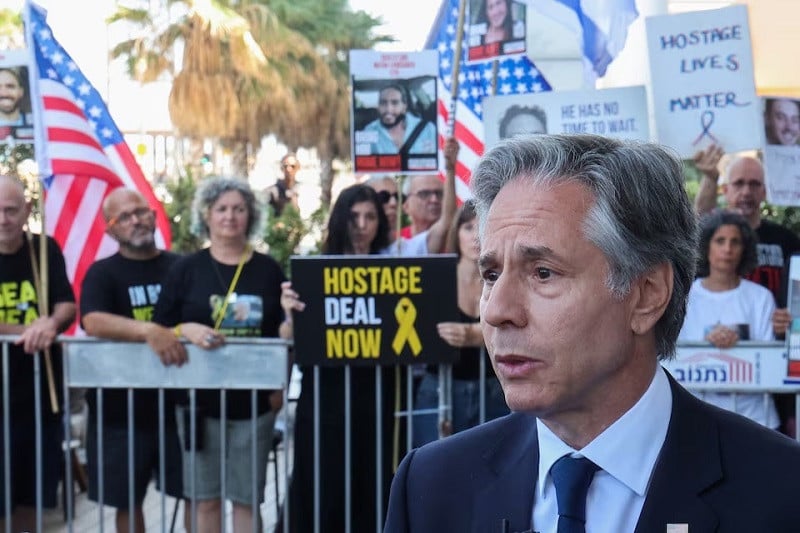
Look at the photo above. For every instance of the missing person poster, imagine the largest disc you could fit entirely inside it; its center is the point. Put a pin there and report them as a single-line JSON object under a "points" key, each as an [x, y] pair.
{"points": [[496, 29], [393, 114], [619, 113], [701, 67], [373, 310], [16, 116], [782, 149]]}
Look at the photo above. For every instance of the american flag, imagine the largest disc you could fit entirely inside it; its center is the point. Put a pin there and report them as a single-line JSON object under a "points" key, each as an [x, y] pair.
{"points": [[81, 153], [516, 75]]}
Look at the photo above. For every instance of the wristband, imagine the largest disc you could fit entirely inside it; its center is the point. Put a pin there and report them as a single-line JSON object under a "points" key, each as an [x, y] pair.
{"points": [[177, 330]]}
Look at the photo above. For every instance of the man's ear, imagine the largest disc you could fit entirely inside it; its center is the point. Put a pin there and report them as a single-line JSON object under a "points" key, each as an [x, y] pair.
{"points": [[650, 296]]}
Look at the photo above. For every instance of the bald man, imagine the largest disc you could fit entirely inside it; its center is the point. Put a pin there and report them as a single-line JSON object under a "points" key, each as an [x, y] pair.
{"points": [[117, 300], [20, 316]]}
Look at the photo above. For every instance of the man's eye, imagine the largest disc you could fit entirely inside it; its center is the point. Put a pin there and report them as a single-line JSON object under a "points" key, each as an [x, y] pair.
{"points": [[489, 276], [543, 273]]}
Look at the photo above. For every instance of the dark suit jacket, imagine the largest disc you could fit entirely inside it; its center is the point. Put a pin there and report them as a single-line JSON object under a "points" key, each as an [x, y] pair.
{"points": [[717, 472]]}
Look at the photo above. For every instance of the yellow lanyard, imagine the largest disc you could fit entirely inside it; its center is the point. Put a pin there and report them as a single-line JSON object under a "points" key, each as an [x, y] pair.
{"points": [[232, 287]]}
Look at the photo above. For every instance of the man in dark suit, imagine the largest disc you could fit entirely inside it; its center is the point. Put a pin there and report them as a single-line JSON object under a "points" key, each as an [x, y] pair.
{"points": [[588, 250]]}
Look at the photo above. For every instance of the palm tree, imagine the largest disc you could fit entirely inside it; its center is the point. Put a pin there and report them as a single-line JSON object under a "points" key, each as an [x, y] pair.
{"points": [[251, 68]]}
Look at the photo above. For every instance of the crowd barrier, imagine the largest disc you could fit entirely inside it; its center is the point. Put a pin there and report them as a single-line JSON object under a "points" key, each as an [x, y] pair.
{"points": [[255, 364]]}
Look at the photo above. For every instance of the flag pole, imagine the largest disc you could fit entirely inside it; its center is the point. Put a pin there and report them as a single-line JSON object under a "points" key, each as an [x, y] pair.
{"points": [[451, 117], [41, 283]]}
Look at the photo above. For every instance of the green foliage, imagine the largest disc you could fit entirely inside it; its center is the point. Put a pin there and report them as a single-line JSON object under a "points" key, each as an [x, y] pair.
{"points": [[283, 234], [179, 211], [12, 155]]}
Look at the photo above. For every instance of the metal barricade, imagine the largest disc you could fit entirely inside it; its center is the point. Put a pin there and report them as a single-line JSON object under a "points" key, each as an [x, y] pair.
{"points": [[241, 364]]}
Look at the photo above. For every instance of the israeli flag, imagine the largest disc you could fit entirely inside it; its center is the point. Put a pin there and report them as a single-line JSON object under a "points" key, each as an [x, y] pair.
{"points": [[602, 26]]}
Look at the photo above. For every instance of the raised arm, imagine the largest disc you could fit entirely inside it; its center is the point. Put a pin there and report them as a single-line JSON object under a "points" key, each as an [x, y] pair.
{"points": [[706, 162], [438, 232]]}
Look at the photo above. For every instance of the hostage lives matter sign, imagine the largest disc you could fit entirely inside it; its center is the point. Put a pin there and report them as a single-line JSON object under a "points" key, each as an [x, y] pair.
{"points": [[373, 310], [701, 67]]}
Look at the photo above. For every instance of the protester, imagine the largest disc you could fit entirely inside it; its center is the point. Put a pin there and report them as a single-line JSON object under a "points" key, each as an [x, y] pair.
{"points": [[20, 279], [587, 254], [744, 191], [224, 290], [423, 196], [357, 225], [782, 121], [118, 296], [397, 130], [521, 120], [723, 308], [283, 192], [467, 337]]}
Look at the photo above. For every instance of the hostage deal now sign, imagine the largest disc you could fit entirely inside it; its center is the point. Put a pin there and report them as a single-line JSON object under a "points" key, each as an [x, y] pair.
{"points": [[373, 310]]}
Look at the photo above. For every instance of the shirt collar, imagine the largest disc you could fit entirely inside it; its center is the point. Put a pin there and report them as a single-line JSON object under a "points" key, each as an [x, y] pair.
{"points": [[627, 449]]}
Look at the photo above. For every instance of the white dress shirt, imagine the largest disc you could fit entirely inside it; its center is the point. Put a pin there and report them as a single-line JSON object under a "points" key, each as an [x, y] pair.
{"points": [[626, 453]]}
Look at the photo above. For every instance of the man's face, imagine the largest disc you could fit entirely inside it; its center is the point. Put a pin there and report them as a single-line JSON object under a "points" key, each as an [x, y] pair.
{"points": [[560, 342], [11, 93], [783, 122], [391, 107], [290, 166], [14, 211], [424, 202], [745, 190], [131, 221]]}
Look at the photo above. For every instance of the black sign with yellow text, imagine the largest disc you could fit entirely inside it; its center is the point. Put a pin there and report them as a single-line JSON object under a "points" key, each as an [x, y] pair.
{"points": [[373, 310]]}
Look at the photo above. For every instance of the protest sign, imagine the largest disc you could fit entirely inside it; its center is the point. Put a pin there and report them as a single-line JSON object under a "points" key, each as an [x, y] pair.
{"points": [[16, 117], [782, 150], [496, 29]]}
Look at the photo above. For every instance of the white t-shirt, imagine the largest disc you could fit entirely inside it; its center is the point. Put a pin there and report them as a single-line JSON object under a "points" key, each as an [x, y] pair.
{"points": [[749, 305], [416, 245]]}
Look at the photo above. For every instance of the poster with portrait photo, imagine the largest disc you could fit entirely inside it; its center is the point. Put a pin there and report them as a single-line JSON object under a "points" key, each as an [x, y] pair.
{"points": [[393, 114], [16, 116], [782, 149], [496, 28], [619, 113]]}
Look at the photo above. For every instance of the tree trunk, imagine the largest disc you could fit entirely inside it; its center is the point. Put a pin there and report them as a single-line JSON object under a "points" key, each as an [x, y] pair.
{"points": [[325, 175], [240, 166]]}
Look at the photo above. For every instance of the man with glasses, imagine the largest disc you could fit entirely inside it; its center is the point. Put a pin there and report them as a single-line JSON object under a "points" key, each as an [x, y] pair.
{"points": [[283, 192], [422, 202], [744, 191], [118, 296], [36, 331]]}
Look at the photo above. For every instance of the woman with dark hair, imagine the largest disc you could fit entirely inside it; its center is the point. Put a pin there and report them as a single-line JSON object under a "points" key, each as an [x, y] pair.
{"points": [[724, 308], [225, 290], [462, 239], [357, 226], [496, 14]]}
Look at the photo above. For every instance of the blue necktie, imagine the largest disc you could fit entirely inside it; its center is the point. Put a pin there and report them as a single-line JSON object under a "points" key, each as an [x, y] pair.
{"points": [[572, 477]]}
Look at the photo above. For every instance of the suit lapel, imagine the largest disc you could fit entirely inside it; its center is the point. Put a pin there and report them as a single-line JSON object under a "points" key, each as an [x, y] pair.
{"points": [[508, 475], [688, 464]]}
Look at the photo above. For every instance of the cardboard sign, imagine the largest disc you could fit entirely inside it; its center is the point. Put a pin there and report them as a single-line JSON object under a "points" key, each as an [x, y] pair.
{"points": [[496, 30], [701, 71], [373, 310], [782, 149], [393, 117], [620, 113]]}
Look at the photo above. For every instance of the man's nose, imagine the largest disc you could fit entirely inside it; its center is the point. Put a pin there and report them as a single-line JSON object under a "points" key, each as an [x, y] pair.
{"points": [[501, 305]]}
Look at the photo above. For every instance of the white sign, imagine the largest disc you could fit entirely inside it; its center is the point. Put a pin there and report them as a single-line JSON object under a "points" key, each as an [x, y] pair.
{"points": [[701, 71], [782, 149], [393, 114], [747, 367], [16, 116], [620, 113]]}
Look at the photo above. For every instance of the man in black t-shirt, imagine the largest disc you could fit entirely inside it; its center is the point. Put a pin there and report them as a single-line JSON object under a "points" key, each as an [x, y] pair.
{"points": [[744, 192], [117, 300], [283, 192], [20, 315]]}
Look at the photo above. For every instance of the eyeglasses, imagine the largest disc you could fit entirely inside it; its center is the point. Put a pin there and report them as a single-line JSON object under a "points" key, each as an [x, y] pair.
{"points": [[125, 218], [386, 196], [425, 194], [752, 184]]}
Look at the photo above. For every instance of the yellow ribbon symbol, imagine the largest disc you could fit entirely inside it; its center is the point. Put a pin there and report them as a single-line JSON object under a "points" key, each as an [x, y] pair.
{"points": [[406, 314]]}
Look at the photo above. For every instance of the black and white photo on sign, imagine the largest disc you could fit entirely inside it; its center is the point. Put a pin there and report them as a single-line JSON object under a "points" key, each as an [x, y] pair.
{"points": [[781, 149], [394, 119], [701, 71], [619, 113], [496, 28]]}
